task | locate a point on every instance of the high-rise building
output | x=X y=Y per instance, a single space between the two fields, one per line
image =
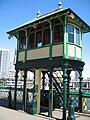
x=11 y=73
x=4 y=62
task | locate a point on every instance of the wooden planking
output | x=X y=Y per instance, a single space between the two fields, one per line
x=21 y=56
x=38 y=53
x=78 y=52
x=71 y=52
x=73 y=21
x=57 y=50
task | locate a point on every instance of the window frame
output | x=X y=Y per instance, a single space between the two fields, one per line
x=71 y=33
x=58 y=35
x=22 y=40
x=79 y=36
x=31 y=40
x=75 y=26
x=39 y=35
x=46 y=36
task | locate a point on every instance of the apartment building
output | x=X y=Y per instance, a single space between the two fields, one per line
x=4 y=62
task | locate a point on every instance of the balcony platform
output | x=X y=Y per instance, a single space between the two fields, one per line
x=56 y=62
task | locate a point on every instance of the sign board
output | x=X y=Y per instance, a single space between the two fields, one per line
x=86 y=105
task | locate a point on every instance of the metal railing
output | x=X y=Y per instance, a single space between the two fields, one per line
x=85 y=101
x=7 y=95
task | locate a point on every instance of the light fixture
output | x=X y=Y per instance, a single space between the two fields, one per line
x=9 y=37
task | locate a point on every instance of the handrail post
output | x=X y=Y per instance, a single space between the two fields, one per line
x=71 y=115
x=9 y=98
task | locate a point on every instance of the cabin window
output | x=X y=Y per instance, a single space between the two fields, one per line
x=31 y=40
x=39 y=39
x=77 y=36
x=22 y=43
x=73 y=34
x=58 y=34
x=70 y=33
x=46 y=39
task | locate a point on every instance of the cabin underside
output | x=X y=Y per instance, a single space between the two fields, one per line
x=56 y=63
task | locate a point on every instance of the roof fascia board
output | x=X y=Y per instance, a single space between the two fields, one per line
x=86 y=26
x=47 y=17
x=42 y=18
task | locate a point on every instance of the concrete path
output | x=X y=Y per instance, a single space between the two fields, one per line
x=9 y=114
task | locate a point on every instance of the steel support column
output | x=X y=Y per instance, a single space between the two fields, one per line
x=68 y=81
x=80 y=90
x=71 y=115
x=25 y=74
x=16 y=74
x=64 y=90
x=24 y=90
x=50 y=94
x=15 y=92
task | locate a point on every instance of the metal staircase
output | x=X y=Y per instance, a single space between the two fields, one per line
x=57 y=91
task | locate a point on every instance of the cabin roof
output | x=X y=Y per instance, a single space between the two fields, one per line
x=48 y=16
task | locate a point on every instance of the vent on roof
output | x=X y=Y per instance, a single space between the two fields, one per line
x=38 y=14
x=59 y=5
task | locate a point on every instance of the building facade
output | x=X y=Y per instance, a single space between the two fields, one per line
x=4 y=62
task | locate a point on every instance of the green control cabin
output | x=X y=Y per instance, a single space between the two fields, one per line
x=49 y=38
x=52 y=41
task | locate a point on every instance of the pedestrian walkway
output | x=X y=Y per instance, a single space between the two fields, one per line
x=9 y=114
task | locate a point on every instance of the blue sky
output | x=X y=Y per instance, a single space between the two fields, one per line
x=17 y=12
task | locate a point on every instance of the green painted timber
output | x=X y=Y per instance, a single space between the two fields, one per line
x=4 y=87
x=18 y=89
x=50 y=48
x=74 y=93
x=50 y=52
x=67 y=43
x=65 y=29
x=81 y=43
x=77 y=93
x=86 y=94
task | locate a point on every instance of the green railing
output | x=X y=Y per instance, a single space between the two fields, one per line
x=7 y=95
x=85 y=101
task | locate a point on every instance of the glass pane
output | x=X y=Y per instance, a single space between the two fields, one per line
x=58 y=34
x=22 y=42
x=39 y=39
x=31 y=40
x=46 y=37
x=70 y=28
x=71 y=38
x=77 y=37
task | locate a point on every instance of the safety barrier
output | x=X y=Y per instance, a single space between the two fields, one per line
x=7 y=94
x=85 y=101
